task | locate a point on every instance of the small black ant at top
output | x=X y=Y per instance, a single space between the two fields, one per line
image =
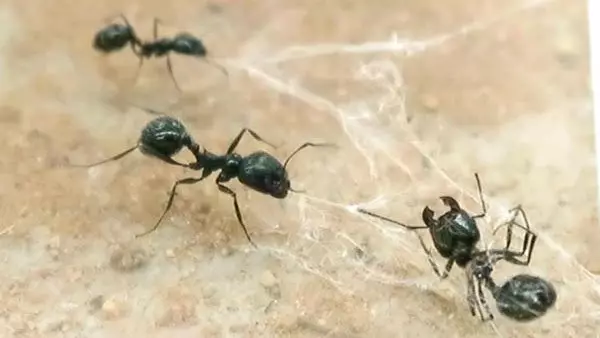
x=165 y=136
x=115 y=36
x=455 y=236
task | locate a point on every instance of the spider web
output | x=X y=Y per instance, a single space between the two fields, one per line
x=332 y=240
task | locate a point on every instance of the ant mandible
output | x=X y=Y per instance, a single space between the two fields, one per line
x=115 y=36
x=455 y=236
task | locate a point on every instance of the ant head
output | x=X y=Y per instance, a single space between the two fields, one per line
x=185 y=43
x=263 y=172
x=113 y=37
x=164 y=137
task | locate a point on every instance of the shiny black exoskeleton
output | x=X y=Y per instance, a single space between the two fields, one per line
x=259 y=171
x=162 y=138
x=455 y=236
x=455 y=233
x=116 y=36
x=524 y=297
x=165 y=136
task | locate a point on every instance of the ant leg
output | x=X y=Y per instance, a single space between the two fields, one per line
x=410 y=227
x=155 y=28
x=483 y=304
x=112 y=158
x=238 y=214
x=471 y=298
x=480 y=191
x=139 y=68
x=189 y=180
x=237 y=139
x=170 y=69
x=436 y=269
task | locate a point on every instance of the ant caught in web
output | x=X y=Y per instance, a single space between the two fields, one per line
x=116 y=36
x=455 y=236
x=164 y=136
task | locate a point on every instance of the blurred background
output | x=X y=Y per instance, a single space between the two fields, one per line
x=416 y=95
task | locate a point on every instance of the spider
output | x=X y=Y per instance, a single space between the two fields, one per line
x=455 y=236
x=115 y=36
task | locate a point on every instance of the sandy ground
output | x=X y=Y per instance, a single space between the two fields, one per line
x=416 y=95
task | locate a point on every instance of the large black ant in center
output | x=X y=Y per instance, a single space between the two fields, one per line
x=165 y=136
x=115 y=36
x=455 y=236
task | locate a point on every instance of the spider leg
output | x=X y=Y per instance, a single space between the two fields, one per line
x=237 y=139
x=189 y=180
x=480 y=192
x=434 y=266
x=221 y=179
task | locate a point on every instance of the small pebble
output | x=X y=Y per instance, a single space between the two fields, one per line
x=226 y=251
x=112 y=309
x=268 y=280
x=430 y=102
x=127 y=260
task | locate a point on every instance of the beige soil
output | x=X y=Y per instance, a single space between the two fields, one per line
x=497 y=87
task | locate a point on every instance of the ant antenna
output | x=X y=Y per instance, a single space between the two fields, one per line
x=110 y=159
x=217 y=65
x=305 y=145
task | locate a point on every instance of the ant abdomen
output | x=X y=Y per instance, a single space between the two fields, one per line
x=164 y=137
x=525 y=297
x=112 y=38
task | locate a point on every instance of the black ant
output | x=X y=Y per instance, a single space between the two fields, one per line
x=455 y=236
x=259 y=171
x=115 y=36
x=165 y=136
